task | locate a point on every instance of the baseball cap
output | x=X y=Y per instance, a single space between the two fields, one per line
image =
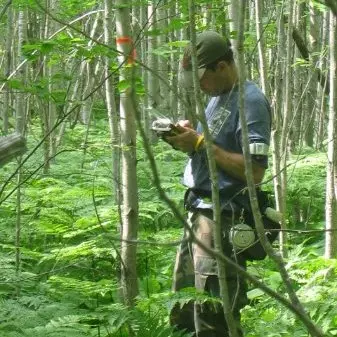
x=210 y=47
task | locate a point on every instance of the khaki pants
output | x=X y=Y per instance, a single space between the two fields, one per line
x=195 y=268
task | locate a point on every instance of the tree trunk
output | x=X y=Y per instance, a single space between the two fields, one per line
x=20 y=99
x=234 y=22
x=144 y=72
x=174 y=73
x=277 y=113
x=287 y=116
x=153 y=83
x=163 y=61
x=51 y=26
x=312 y=77
x=7 y=108
x=20 y=128
x=260 y=41
x=111 y=102
x=331 y=180
x=323 y=107
x=129 y=160
x=299 y=84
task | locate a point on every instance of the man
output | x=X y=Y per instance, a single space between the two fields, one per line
x=218 y=78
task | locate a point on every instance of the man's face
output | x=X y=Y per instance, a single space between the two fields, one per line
x=214 y=82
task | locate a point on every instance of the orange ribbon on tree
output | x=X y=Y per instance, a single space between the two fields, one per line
x=127 y=39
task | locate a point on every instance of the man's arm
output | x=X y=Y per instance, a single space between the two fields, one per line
x=234 y=164
x=231 y=163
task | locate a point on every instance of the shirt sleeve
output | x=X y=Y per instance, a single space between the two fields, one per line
x=258 y=116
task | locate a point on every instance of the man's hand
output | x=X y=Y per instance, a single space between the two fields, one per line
x=185 y=123
x=187 y=138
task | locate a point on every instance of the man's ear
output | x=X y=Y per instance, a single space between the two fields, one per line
x=222 y=65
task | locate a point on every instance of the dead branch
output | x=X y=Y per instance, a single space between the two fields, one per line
x=10 y=147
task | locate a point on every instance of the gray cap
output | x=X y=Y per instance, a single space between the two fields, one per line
x=210 y=47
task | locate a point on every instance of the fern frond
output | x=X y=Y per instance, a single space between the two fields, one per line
x=81 y=287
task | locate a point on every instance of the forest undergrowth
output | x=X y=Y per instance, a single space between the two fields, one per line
x=65 y=280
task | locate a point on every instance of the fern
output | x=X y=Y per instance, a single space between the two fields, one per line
x=15 y=316
x=146 y=325
x=80 y=287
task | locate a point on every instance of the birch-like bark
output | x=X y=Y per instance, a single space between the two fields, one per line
x=143 y=55
x=43 y=104
x=8 y=65
x=20 y=99
x=323 y=107
x=20 y=128
x=174 y=71
x=311 y=109
x=111 y=102
x=51 y=26
x=153 y=83
x=186 y=111
x=250 y=26
x=162 y=60
x=331 y=179
x=287 y=116
x=129 y=159
x=217 y=234
x=277 y=112
x=261 y=47
x=299 y=82
x=234 y=22
x=332 y=4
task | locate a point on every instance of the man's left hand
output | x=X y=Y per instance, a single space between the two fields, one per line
x=185 y=141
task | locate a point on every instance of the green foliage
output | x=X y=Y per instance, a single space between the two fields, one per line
x=313 y=277
x=70 y=265
x=68 y=280
x=306 y=186
x=39 y=317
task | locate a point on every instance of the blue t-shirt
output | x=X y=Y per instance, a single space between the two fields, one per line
x=222 y=114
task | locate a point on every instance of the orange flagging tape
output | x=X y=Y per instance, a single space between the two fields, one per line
x=123 y=39
x=127 y=39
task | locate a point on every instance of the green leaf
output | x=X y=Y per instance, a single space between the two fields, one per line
x=178 y=44
x=255 y=293
x=123 y=85
x=47 y=46
x=15 y=84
